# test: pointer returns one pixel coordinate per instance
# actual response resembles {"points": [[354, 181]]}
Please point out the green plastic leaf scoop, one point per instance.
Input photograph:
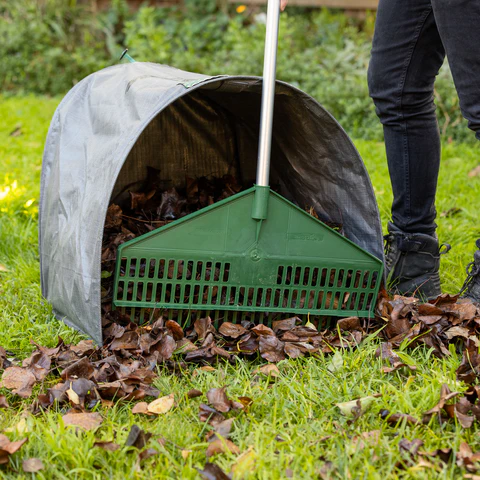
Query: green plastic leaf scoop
{"points": [[252, 252]]}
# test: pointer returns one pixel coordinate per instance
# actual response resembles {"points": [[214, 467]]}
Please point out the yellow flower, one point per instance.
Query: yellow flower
{"points": [[241, 8], [4, 192]]}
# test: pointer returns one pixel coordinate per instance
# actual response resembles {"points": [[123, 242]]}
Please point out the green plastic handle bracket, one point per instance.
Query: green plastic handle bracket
{"points": [[260, 202]]}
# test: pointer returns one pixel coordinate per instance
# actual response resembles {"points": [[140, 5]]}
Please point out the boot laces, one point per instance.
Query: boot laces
{"points": [[388, 247], [473, 270]]}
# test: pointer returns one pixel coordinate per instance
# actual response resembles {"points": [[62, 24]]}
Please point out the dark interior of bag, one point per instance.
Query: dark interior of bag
{"points": [[214, 132]]}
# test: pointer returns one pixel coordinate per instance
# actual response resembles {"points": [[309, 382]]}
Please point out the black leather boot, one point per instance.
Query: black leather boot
{"points": [[412, 263], [471, 287]]}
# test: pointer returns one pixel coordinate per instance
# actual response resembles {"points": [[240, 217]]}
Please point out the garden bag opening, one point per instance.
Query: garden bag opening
{"points": [[116, 122]]}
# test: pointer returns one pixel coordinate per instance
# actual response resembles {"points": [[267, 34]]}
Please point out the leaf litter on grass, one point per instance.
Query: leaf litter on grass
{"points": [[32, 465], [124, 368], [84, 420], [8, 448]]}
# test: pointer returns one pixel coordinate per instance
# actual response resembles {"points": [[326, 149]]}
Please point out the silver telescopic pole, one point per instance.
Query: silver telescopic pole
{"points": [[268, 93]]}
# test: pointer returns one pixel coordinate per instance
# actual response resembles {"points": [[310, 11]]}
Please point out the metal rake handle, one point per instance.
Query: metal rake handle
{"points": [[268, 93]]}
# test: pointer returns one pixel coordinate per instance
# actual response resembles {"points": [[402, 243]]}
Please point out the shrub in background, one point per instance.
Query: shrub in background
{"points": [[49, 45]]}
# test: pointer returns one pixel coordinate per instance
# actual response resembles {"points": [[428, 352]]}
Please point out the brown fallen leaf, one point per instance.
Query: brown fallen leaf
{"points": [[162, 405], [39, 364], [139, 199], [350, 323], [245, 401], [248, 345], [410, 447], [271, 348], [443, 454], [467, 459], [4, 362], [474, 172], [3, 402], [87, 421], [3, 268], [106, 445], [217, 397], [386, 352], [269, 370], [396, 418], [232, 330], [292, 350], [203, 326], [8, 448], [73, 396], [149, 452], [457, 331], [430, 319], [80, 369], [16, 132], [460, 411], [19, 380], [222, 429], [194, 393], [428, 309], [185, 453], [222, 445], [280, 326], [76, 392], [141, 407], [212, 472], [466, 421], [83, 348], [32, 465], [398, 323], [210, 415], [128, 341], [327, 470], [166, 347], [175, 329], [185, 346], [137, 437], [263, 330], [207, 368], [445, 299], [445, 395], [469, 368]]}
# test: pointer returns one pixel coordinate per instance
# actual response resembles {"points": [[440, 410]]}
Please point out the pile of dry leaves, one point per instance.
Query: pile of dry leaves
{"points": [[124, 368]]}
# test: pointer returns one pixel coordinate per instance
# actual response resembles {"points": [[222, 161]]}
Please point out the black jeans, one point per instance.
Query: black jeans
{"points": [[409, 47]]}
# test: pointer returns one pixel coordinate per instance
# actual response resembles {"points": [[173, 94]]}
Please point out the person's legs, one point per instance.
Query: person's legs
{"points": [[458, 22], [407, 54]]}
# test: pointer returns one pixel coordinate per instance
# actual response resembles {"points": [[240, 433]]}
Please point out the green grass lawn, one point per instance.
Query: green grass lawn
{"points": [[299, 406]]}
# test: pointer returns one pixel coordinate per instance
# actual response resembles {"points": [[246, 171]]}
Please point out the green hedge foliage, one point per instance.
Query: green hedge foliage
{"points": [[49, 45]]}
